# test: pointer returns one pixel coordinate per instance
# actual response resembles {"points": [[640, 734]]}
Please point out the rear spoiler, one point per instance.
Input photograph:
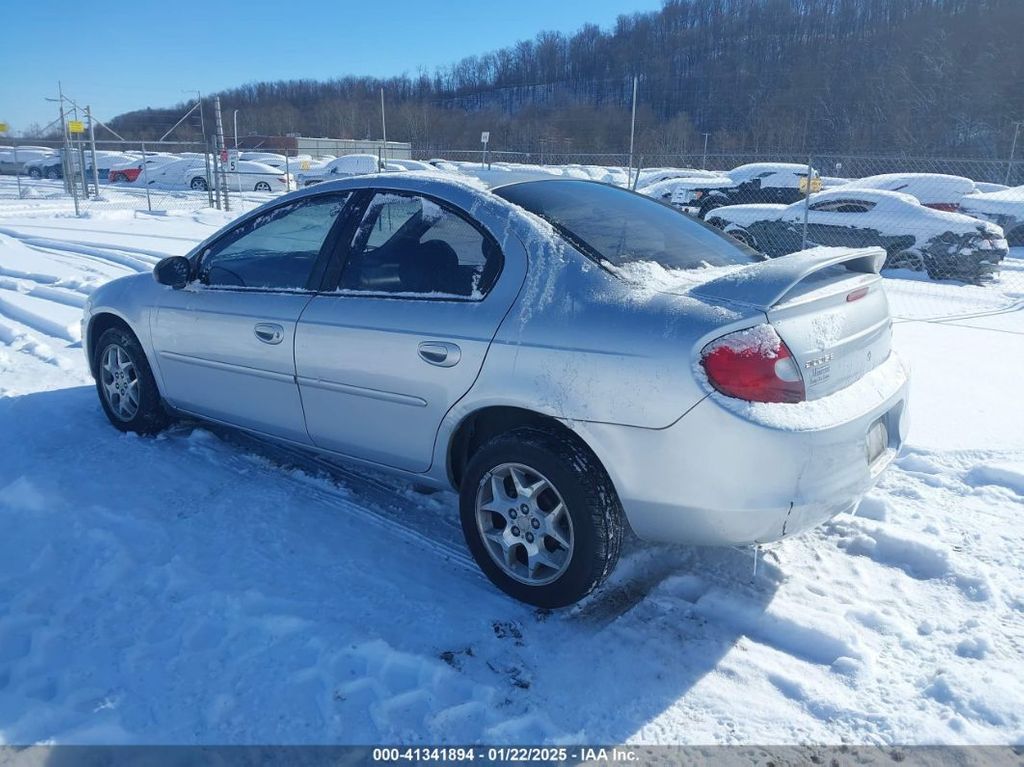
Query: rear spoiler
{"points": [[764, 284]]}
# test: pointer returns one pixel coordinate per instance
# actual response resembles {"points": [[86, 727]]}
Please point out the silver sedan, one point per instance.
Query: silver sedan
{"points": [[570, 356]]}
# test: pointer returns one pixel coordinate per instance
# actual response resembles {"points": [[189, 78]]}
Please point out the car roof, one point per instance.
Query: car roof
{"points": [[852, 192]]}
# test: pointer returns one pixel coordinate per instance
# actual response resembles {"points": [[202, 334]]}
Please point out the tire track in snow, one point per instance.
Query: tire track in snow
{"points": [[137, 259], [355, 493], [56, 294], [39, 322], [23, 341]]}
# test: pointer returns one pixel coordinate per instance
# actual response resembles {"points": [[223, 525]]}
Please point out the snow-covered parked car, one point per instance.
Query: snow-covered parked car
{"points": [[678, 188], [758, 182], [290, 164], [14, 159], [343, 167], [45, 165], [1005, 208], [934, 190], [401, 164], [52, 166], [130, 170], [945, 245], [494, 342], [658, 175], [192, 174]]}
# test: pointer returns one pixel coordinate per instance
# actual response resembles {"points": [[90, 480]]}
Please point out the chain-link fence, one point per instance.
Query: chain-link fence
{"points": [[952, 228], [83, 177]]}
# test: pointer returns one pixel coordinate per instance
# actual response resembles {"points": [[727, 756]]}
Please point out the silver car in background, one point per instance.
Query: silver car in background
{"points": [[571, 357]]}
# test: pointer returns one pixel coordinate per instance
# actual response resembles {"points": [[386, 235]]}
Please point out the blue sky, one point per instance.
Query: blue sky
{"points": [[121, 56]]}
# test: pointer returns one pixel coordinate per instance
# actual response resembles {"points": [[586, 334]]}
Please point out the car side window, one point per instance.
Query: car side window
{"points": [[275, 250], [411, 246], [843, 206]]}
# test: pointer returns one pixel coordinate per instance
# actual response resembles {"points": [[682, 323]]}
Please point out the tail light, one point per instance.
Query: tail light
{"points": [[948, 207], [753, 365]]}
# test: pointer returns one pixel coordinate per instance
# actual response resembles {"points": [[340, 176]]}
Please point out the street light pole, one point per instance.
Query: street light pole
{"points": [[234, 119]]}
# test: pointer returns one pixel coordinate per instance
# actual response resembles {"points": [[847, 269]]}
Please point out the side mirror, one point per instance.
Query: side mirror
{"points": [[173, 271]]}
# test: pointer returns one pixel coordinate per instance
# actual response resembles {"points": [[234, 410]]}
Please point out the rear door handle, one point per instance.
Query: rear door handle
{"points": [[440, 353], [269, 332]]}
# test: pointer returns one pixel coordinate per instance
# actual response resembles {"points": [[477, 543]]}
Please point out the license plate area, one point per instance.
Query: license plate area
{"points": [[877, 440]]}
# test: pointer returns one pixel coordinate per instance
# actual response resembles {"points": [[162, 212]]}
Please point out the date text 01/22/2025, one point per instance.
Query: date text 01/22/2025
{"points": [[555, 754]]}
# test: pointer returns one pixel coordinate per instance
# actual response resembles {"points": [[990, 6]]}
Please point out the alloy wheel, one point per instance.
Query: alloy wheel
{"points": [[120, 382], [524, 524]]}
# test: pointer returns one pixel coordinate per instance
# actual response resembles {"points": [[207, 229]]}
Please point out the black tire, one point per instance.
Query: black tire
{"points": [[590, 500], [35, 173], [150, 417], [199, 184], [262, 186], [52, 174]]}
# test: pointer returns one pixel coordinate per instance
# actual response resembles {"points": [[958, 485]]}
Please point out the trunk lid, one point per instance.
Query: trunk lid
{"points": [[827, 304]]}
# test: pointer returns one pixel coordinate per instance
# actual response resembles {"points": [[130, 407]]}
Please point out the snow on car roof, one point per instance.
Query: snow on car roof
{"points": [[854, 191], [757, 167], [927, 187]]}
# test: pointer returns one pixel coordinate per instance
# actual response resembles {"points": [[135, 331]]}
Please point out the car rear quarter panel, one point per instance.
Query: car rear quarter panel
{"points": [[580, 344]]}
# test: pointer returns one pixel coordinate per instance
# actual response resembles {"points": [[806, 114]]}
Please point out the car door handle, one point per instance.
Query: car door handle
{"points": [[440, 353], [268, 332]]}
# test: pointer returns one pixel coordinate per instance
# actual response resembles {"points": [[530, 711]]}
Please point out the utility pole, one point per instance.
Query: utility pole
{"points": [[632, 133], [383, 124], [234, 119], [92, 150], [1013, 148], [704, 162], [221, 147]]}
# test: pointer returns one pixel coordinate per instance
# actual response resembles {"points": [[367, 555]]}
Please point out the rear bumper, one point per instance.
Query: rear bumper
{"points": [[718, 477]]}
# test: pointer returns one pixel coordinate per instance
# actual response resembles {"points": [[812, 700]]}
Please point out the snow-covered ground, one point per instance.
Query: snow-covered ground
{"points": [[204, 588]]}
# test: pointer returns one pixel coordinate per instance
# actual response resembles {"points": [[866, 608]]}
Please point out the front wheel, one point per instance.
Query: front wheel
{"points": [[540, 517], [35, 173], [125, 383]]}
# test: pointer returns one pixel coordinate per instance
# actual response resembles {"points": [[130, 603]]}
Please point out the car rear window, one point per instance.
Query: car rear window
{"points": [[619, 227]]}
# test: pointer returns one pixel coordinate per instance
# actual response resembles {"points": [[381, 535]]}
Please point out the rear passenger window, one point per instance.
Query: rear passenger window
{"points": [[408, 245]]}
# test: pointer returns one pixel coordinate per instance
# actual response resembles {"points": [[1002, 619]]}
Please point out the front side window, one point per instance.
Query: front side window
{"points": [[618, 227], [275, 250], [411, 246]]}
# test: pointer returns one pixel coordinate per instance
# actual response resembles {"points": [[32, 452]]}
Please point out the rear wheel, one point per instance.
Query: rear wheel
{"points": [[540, 517], [199, 184], [35, 173], [262, 186], [125, 383], [52, 174]]}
